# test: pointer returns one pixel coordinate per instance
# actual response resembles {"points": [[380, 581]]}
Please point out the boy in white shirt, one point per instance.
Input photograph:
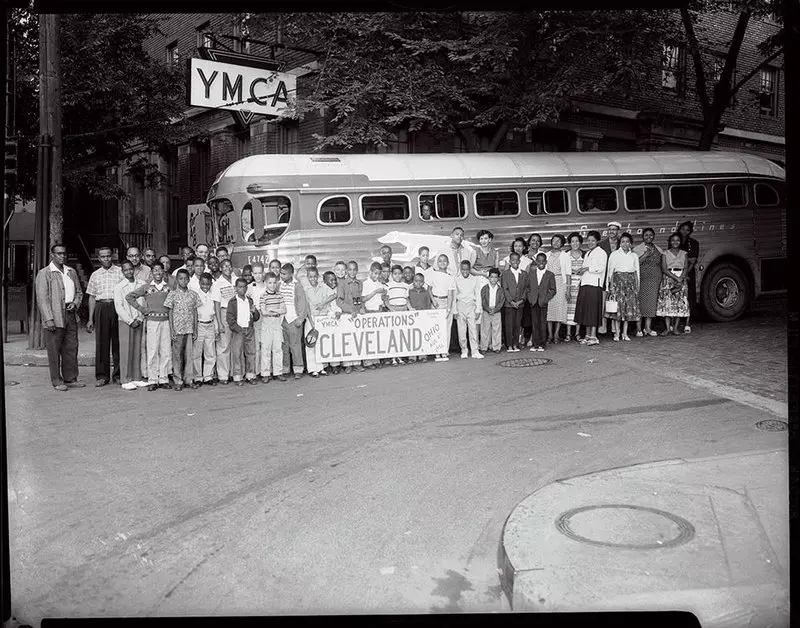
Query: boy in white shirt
{"points": [[207, 333], [372, 298], [443, 292], [468, 310], [222, 291], [423, 265]]}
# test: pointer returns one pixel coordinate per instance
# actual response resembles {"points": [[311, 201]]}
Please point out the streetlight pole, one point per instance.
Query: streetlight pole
{"points": [[49, 191]]}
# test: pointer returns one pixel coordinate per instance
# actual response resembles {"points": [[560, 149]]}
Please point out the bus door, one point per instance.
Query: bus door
{"points": [[769, 228]]}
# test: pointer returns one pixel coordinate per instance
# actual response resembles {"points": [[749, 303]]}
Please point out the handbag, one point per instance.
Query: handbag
{"points": [[612, 307]]}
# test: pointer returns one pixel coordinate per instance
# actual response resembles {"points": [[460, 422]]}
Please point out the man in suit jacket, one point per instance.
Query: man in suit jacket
{"points": [[514, 282], [540, 289], [58, 296]]}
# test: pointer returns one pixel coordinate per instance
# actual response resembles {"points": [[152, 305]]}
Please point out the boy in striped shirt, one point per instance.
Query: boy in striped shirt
{"points": [[272, 309]]}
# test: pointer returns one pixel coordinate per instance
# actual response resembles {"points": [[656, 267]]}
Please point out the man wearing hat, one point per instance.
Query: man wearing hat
{"points": [[609, 244]]}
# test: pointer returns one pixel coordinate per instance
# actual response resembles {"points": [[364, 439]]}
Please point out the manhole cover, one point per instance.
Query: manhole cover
{"points": [[12, 383], [772, 425], [518, 363], [625, 526]]}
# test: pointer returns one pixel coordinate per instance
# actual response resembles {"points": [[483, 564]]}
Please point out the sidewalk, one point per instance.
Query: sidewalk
{"points": [[16, 352], [709, 536]]}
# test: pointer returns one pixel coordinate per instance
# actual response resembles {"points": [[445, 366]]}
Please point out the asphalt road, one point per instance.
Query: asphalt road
{"points": [[377, 492]]}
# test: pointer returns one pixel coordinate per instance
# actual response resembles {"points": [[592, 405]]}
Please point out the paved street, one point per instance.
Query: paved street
{"points": [[384, 491]]}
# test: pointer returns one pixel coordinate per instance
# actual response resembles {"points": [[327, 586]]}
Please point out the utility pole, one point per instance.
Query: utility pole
{"points": [[9, 172], [49, 191]]}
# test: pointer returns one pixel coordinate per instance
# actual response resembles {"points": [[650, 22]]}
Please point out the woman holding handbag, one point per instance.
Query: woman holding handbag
{"points": [[623, 286], [673, 295], [589, 308]]}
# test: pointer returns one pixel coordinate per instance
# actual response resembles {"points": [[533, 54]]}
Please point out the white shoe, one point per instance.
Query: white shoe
{"points": [[477, 356], [464, 354], [445, 358], [140, 384], [534, 349], [129, 386]]}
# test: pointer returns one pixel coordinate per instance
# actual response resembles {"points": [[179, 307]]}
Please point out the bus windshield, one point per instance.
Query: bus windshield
{"points": [[276, 212]]}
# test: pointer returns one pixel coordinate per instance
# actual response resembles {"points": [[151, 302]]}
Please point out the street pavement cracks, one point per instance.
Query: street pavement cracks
{"points": [[376, 493]]}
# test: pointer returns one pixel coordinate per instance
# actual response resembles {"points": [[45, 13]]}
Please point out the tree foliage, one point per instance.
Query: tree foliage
{"points": [[115, 96], [471, 74]]}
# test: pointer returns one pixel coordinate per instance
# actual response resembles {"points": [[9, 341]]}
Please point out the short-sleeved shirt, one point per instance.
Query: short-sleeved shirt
{"points": [[184, 304], [142, 272], [102, 282], [222, 291], [397, 293], [376, 301], [425, 272], [316, 296], [346, 291], [270, 301], [205, 311], [442, 283]]}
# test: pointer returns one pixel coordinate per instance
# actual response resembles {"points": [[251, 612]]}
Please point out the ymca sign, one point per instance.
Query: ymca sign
{"points": [[218, 85]]}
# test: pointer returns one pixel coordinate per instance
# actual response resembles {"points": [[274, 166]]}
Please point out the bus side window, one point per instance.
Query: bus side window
{"points": [[491, 204], [766, 195], [729, 195], [643, 198], [688, 196], [335, 210], [378, 208], [547, 202], [451, 205], [597, 199]]}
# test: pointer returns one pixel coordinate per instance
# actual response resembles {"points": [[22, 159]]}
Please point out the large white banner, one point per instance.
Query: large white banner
{"points": [[382, 335]]}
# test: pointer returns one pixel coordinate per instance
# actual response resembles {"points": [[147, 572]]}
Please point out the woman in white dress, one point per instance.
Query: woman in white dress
{"points": [[559, 264], [589, 308]]}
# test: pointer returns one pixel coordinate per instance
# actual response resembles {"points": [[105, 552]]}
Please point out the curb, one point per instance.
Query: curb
{"points": [[507, 571], [23, 359]]}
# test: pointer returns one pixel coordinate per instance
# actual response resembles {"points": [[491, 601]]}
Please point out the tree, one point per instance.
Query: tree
{"points": [[475, 75], [116, 99], [715, 96]]}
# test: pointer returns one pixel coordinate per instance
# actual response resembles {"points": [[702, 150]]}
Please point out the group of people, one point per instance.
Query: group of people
{"points": [[206, 323]]}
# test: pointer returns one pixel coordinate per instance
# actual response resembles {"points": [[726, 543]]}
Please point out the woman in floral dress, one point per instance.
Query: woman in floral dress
{"points": [[623, 286], [558, 263], [650, 276], [575, 256], [673, 295]]}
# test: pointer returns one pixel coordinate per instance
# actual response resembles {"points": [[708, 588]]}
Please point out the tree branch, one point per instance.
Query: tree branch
{"points": [[697, 61], [753, 72]]}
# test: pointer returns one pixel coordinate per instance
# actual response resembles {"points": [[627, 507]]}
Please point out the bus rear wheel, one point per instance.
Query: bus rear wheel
{"points": [[725, 293]]}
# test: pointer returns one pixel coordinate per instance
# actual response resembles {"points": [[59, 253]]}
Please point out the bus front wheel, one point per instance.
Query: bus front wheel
{"points": [[725, 292]]}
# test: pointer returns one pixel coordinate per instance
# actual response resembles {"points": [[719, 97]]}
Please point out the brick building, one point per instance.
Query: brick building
{"points": [[662, 114]]}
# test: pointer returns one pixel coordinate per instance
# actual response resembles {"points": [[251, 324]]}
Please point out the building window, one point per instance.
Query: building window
{"points": [[597, 200], [672, 64], [766, 195], [335, 211], [287, 138], [397, 143], [384, 208], [688, 196], [172, 53], [493, 204], [638, 199], [447, 206], [731, 195], [204, 37], [547, 202], [768, 92]]}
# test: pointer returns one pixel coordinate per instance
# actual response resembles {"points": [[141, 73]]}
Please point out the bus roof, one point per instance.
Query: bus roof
{"points": [[467, 166]]}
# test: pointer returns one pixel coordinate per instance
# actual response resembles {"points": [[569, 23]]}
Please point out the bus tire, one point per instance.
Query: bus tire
{"points": [[725, 293]]}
